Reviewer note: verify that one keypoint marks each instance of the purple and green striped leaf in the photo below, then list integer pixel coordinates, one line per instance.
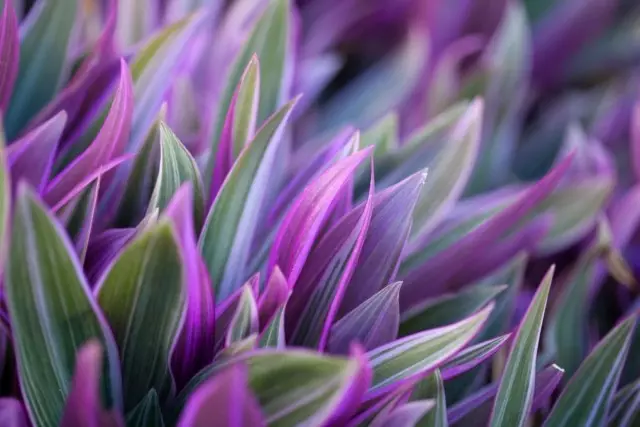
(432, 388)
(244, 322)
(472, 356)
(228, 232)
(9, 51)
(145, 279)
(52, 313)
(78, 217)
(406, 415)
(273, 334)
(273, 296)
(515, 393)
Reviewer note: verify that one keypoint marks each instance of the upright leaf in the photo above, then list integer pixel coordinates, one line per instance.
(43, 60)
(372, 324)
(245, 319)
(421, 352)
(147, 413)
(231, 224)
(145, 280)
(224, 400)
(177, 166)
(432, 387)
(9, 51)
(273, 334)
(515, 394)
(52, 313)
(586, 399)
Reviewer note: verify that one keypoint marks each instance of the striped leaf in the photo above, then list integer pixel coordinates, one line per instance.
(432, 387)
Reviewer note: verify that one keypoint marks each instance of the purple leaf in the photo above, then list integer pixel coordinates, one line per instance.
(195, 345)
(382, 406)
(388, 231)
(12, 412)
(274, 295)
(441, 271)
(109, 143)
(478, 406)
(373, 323)
(83, 407)
(352, 397)
(635, 140)
(307, 215)
(317, 295)
(9, 52)
(31, 157)
(224, 401)
(406, 415)
(103, 249)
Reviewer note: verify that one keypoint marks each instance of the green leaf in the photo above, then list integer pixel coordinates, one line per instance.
(246, 107)
(245, 319)
(625, 407)
(177, 166)
(432, 387)
(447, 309)
(273, 334)
(44, 44)
(52, 313)
(5, 198)
(515, 393)
(228, 232)
(417, 353)
(147, 413)
(78, 216)
(143, 298)
(383, 135)
(587, 397)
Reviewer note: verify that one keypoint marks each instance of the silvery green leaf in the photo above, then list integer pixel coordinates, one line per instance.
(432, 387)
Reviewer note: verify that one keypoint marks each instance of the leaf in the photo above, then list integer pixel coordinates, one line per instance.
(245, 319)
(145, 280)
(308, 213)
(44, 47)
(586, 399)
(195, 346)
(224, 400)
(447, 309)
(273, 334)
(421, 352)
(9, 51)
(108, 145)
(83, 407)
(625, 407)
(12, 413)
(449, 171)
(372, 324)
(31, 157)
(273, 296)
(231, 224)
(432, 387)
(389, 228)
(269, 40)
(383, 135)
(136, 19)
(147, 413)
(314, 301)
(407, 415)
(177, 166)
(515, 394)
(78, 215)
(52, 313)
(472, 356)
(238, 128)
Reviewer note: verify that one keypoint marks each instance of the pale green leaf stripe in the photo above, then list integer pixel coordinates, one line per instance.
(587, 397)
(177, 166)
(415, 353)
(515, 393)
(246, 107)
(5, 199)
(269, 41)
(432, 387)
(147, 413)
(273, 335)
(227, 235)
(43, 55)
(285, 400)
(142, 296)
(244, 321)
(52, 312)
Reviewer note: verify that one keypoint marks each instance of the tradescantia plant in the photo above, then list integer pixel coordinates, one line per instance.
(260, 212)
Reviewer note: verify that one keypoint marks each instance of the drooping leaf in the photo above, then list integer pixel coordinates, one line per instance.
(177, 166)
(372, 324)
(447, 309)
(586, 399)
(52, 313)
(145, 280)
(389, 228)
(147, 413)
(421, 352)
(515, 394)
(43, 52)
(316, 297)
(9, 51)
(432, 387)
(224, 400)
(230, 226)
(245, 319)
